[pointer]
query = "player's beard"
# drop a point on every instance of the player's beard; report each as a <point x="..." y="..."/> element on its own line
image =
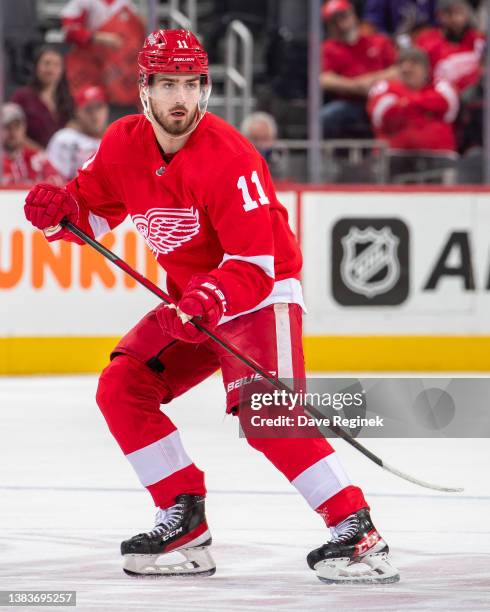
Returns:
<point x="171" y="125"/>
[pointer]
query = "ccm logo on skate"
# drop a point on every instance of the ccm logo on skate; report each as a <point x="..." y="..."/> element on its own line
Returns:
<point x="366" y="543"/>
<point x="172" y="534"/>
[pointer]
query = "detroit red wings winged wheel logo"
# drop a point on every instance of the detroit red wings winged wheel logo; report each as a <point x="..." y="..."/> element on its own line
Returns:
<point x="165" y="229"/>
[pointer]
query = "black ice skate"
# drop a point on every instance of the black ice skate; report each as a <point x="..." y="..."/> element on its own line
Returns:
<point x="355" y="554"/>
<point x="182" y="528"/>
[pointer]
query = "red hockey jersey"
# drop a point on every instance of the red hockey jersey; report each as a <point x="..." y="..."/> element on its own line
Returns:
<point x="212" y="209"/>
<point x="81" y="18"/>
<point x="410" y="119"/>
<point x="91" y="63"/>
<point x="29" y="166"/>
<point x="456" y="62"/>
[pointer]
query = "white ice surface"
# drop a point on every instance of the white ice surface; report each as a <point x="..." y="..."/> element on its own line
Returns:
<point x="68" y="497"/>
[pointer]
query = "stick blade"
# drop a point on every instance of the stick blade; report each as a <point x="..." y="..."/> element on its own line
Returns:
<point x="421" y="483"/>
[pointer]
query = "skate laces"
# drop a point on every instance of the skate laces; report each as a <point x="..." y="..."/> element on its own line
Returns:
<point x="345" y="530"/>
<point x="167" y="518"/>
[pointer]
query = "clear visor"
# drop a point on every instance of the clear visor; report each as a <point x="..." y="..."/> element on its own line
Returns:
<point x="188" y="90"/>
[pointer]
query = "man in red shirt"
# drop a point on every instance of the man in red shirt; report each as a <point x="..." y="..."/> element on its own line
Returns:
<point x="415" y="116"/>
<point x="203" y="199"/>
<point x="22" y="164"/>
<point x="455" y="49"/>
<point x="351" y="63"/>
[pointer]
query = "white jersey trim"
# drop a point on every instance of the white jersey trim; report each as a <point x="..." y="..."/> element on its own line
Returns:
<point x="286" y="291"/>
<point x="265" y="262"/>
<point x="449" y="94"/>
<point x="98" y="11"/>
<point x="98" y="224"/>
<point x="381" y="107"/>
<point x="89" y="161"/>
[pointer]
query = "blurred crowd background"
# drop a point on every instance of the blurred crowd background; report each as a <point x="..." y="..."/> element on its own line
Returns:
<point x="402" y="83"/>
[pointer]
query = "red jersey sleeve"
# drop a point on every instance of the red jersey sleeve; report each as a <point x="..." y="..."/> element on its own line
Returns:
<point x="47" y="172"/>
<point x="101" y="207"/>
<point x="386" y="109"/>
<point x="74" y="17"/>
<point x="239" y="210"/>
<point x="440" y="102"/>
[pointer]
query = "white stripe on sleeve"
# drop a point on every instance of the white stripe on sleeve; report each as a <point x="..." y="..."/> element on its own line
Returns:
<point x="285" y="291"/>
<point x="451" y="97"/>
<point x="87" y="163"/>
<point x="380" y="108"/>
<point x="266" y="262"/>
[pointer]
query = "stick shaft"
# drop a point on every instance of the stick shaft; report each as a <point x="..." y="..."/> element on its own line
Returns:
<point x="252" y="364"/>
<point x="148" y="284"/>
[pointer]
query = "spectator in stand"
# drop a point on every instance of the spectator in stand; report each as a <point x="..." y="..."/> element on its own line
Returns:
<point x="22" y="165"/>
<point x="454" y="49"/>
<point x="106" y="36"/>
<point x="46" y="101"/>
<point x="411" y="112"/>
<point x="79" y="140"/>
<point x="399" y="17"/>
<point x="414" y="116"/>
<point x="261" y="129"/>
<point x="352" y="62"/>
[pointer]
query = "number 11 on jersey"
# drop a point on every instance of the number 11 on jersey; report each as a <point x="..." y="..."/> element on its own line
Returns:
<point x="248" y="202"/>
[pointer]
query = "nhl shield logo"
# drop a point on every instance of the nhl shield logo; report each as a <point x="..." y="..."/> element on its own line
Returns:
<point x="370" y="261"/>
<point x="370" y="264"/>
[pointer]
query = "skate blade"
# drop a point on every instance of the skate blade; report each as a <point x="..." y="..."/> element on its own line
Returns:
<point x="197" y="562"/>
<point x="373" y="569"/>
<point x="169" y="575"/>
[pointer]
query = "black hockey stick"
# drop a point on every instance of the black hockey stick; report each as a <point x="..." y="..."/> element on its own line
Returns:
<point x="253" y="365"/>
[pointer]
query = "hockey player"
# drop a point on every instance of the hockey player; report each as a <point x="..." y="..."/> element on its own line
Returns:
<point x="203" y="199"/>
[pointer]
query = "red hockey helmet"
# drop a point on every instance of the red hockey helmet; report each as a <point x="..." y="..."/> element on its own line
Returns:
<point x="172" y="51"/>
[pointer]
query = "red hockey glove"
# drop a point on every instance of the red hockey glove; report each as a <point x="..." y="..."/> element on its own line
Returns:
<point x="46" y="205"/>
<point x="203" y="301"/>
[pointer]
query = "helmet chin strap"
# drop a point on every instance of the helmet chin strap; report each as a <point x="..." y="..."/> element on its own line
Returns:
<point x="157" y="126"/>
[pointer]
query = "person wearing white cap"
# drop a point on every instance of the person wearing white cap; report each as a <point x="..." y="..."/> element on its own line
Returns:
<point x="71" y="146"/>
<point x="22" y="164"/>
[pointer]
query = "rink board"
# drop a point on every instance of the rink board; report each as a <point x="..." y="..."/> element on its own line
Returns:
<point x="394" y="279"/>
